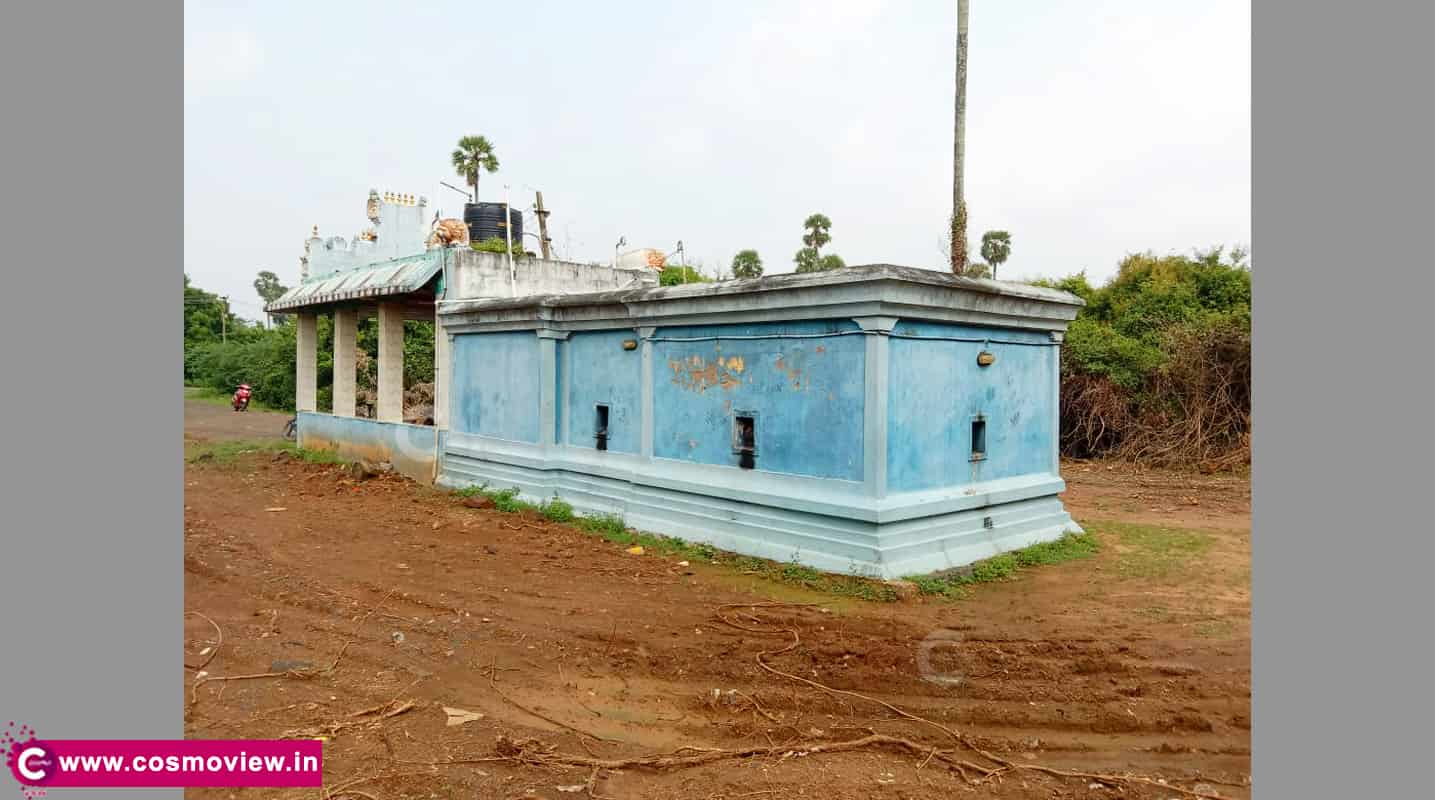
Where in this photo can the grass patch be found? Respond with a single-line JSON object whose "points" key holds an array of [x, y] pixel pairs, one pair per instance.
{"points": [[953, 583], [557, 510], [231, 451], [505, 500], [1160, 614], [1214, 628], [1240, 578], [1150, 551], [613, 528], [794, 574]]}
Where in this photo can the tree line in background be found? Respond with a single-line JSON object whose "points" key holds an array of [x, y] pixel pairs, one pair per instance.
{"points": [[996, 249], [221, 355], [1156, 368]]}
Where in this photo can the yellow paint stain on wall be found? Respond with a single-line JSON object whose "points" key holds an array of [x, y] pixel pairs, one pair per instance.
{"points": [[696, 374]]}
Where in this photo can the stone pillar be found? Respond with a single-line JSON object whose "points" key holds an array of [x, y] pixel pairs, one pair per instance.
{"points": [[390, 407], [306, 373], [549, 386], [442, 373], [874, 415], [346, 365], [645, 333]]}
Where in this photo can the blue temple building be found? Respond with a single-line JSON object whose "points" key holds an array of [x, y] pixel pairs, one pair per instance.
{"points": [[875, 420]]}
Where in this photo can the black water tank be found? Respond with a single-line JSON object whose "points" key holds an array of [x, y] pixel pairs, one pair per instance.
{"points": [[485, 221]]}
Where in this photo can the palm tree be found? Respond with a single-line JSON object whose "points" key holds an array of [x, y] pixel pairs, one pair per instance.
{"points": [[996, 247], [817, 227], [474, 154], [959, 205]]}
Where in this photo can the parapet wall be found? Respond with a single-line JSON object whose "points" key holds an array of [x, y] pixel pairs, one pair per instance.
{"points": [[474, 274]]}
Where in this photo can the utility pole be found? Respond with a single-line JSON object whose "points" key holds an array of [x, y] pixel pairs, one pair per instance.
{"points": [[508, 235], [959, 150], [224, 321], [542, 225]]}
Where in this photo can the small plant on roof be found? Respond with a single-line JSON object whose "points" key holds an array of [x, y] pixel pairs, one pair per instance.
{"points": [[496, 244]]}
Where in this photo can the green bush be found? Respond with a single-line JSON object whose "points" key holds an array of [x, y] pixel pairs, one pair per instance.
{"points": [[266, 363], [1096, 348], [1156, 366], [677, 275]]}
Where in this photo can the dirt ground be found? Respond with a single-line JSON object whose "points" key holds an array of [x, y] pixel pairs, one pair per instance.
{"points": [[212, 419], [382, 603]]}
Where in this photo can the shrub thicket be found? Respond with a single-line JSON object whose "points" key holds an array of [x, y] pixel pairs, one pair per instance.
{"points": [[1157, 366]]}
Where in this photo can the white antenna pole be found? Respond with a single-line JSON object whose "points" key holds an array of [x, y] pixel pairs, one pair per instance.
{"points": [[508, 234]]}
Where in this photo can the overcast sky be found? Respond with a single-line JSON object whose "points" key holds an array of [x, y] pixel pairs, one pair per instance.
{"points": [[1094, 129]]}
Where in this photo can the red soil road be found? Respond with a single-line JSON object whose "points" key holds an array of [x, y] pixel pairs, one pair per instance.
{"points": [[1091, 666], [208, 419]]}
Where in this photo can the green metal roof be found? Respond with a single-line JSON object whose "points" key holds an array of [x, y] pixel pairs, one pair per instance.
{"points": [[386, 278]]}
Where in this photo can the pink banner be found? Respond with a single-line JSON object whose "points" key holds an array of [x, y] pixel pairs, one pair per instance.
{"points": [[167, 763]]}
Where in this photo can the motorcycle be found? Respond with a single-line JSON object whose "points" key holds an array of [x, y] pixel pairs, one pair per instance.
{"points": [[241, 397]]}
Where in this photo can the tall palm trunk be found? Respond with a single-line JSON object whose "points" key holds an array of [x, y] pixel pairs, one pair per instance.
{"points": [[959, 211]]}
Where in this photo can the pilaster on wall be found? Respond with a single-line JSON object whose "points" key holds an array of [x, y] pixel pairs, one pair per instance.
{"points": [[306, 362], [346, 365], [548, 385], [1058, 337], [442, 372], [391, 363], [874, 416], [645, 334]]}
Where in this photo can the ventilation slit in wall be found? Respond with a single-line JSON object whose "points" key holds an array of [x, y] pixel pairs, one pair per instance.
{"points": [[744, 440], [979, 439], [600, 427]]}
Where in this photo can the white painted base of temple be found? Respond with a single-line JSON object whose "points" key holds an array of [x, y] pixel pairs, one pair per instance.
{"points": [[893, 541]]}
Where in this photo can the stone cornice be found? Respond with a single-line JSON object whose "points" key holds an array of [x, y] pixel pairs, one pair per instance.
{"points": [[866, 291]]}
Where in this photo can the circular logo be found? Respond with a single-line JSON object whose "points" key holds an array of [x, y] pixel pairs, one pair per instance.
{"points": [[33, 763], [939, 639]]}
